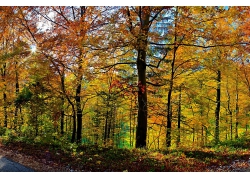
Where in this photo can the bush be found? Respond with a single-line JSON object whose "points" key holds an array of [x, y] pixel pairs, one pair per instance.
{"points": [[2, 131]]}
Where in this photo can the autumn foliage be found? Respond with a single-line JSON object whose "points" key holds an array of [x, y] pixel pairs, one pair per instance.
{"points": [[145, 77]]}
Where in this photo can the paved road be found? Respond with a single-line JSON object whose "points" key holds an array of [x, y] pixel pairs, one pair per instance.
{"points": [[7, 165]]}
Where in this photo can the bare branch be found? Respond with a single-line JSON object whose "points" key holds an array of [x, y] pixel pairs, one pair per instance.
{"points": [[61, 13], [119, 63], [49, 19], [27, 26], [159, 62], [130, 21], [158, 85], [201, 46], [182, 64], [155, 16]]}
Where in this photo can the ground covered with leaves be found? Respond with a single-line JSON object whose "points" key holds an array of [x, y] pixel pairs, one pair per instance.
{"points": [[51, 158]]}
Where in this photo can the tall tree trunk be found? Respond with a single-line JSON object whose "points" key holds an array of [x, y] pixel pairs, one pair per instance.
{"points": [[217, 110], [78, 90], [202, 135], [193, 134], [229, 111], [106, 128], [179, 120], [17, 93], [169, 103], [73, 137], [236, 108], [5, 110], [107, 121], [4, 95], [206, 135], [130, 123], [231, 126], [141, 130], [79, 109], [62, 104], [62, 77], [62, 115]]}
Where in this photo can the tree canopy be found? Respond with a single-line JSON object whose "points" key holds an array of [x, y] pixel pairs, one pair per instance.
{"points": [[130, 76]]}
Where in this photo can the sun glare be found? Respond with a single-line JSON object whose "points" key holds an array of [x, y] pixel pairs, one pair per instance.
{"points": [[33, 48]]}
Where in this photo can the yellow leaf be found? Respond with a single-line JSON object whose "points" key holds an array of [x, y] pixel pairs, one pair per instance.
{"points": [[98, 162]]}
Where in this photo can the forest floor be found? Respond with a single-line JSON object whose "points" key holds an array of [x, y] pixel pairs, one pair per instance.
{"points": [[48, 158]]}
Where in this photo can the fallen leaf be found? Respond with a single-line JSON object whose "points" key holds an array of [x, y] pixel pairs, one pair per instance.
{"points": [[98, 162]]}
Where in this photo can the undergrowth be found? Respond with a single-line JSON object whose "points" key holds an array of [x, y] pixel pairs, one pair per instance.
{"points": [[101, 158]]}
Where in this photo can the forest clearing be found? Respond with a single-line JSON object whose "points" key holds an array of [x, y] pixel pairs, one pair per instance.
{"points": [[125, 88]]}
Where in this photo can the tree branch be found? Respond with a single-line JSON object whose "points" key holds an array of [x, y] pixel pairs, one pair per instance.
{"points": [[201, 46], [157, 85], [27, 26], [155, 16], [130, 20], [47, 18], [159, 62], [119, 63]]}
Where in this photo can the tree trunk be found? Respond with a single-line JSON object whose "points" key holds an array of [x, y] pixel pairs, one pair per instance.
{"points": [[5, 110], [3, 72], [62, 115], [141, 131], [106, 128], [107, 120], [78, 91], [229, 111], [17, 92], [236, 109], [79, 111], [193, 134], [62, 104], [130, 123], [202, 135], [73, 137], [169, 103], [179, 120], [231, 126], [217, 110]]}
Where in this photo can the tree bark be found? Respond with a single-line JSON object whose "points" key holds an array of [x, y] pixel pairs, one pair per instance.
{"points": [[62, 115], [62, 77], [236, 108], [229, 111], [17, 92], [179, 120], [73, 137], [78, 91], [4, 95], [141, 130], [217, 110], [79, 110], [169, 103]]}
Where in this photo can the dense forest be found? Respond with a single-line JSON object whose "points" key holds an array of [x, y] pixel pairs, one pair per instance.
{"points": [[126, 77]]}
